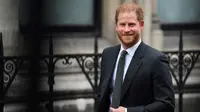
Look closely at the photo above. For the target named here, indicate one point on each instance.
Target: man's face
(129, 29)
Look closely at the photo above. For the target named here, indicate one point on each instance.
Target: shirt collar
(131, 50)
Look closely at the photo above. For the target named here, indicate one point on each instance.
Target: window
(64, 15)
(179, 14)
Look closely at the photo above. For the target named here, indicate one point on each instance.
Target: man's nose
(126, 29)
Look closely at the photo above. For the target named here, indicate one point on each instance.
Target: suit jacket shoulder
(152, 52)
(111, 49)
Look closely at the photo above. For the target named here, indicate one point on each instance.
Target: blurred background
(51, 49)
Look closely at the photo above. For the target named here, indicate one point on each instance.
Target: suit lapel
(111, 65)
(133, 68)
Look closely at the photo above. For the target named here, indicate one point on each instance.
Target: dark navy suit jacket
(147, 86)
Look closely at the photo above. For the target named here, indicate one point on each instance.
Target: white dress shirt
(130, 54)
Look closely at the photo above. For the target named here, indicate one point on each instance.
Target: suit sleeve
(102, 69)
(100, 82)
(164, 100)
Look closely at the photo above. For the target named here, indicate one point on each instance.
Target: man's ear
(115, 26)
(142, 24)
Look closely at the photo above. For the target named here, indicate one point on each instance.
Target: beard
(130, 39)
(132, 35)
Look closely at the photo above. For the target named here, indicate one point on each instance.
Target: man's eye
(122, 24)
(131, 24)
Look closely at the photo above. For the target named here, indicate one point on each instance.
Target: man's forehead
(127, 15)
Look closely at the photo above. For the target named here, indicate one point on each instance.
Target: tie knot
(123, 53)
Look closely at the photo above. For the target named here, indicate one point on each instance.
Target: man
(140, 80)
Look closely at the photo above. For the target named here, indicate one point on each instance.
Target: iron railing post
(181, 86)
(96, 74)
(51, 75)
(1, 76)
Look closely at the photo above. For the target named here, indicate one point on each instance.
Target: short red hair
(129, 8)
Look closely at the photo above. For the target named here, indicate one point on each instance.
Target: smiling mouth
(128, 35)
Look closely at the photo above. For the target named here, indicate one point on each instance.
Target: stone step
(191, 40)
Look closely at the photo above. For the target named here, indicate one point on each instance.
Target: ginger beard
(129, 40)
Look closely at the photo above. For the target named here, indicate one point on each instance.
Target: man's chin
(128, 43)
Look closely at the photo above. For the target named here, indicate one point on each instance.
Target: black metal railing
(181, 65)
(13, 64)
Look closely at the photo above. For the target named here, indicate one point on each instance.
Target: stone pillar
(146, 36)
(157, 33)
(108, 23)
(157, 39)
(152, 34)
(9, 25)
